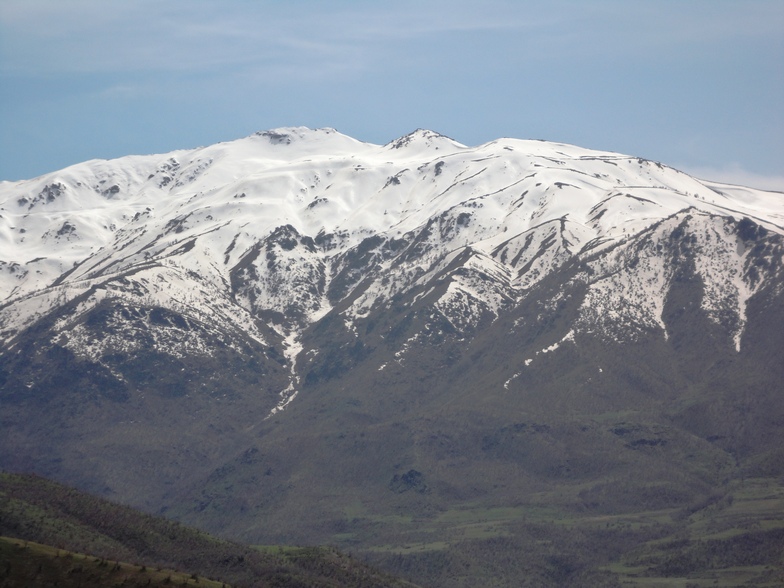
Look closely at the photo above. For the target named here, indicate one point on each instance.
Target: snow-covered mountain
(299, 327)
(264, 236)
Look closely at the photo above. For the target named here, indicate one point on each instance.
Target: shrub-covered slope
(72, 524)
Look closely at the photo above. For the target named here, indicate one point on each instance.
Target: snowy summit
(269, 234)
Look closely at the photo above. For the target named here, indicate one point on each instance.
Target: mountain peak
(423, 139)
(287, 135)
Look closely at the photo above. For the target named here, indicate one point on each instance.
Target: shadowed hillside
(128, 547)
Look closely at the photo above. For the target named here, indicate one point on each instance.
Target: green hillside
(33, 565)
(48, 528)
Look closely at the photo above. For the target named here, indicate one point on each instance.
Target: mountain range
(419, 351)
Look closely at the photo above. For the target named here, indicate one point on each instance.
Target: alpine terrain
(523, 362)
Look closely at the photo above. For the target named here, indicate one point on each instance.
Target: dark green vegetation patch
(49, 528)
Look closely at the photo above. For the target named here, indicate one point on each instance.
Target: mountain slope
(330, 335)
(33, 508)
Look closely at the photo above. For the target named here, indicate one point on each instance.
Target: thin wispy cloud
(632, 76)
(92, 36)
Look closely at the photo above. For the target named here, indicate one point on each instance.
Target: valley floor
(736, 538)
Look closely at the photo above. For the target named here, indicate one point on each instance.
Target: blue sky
(696, 84)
